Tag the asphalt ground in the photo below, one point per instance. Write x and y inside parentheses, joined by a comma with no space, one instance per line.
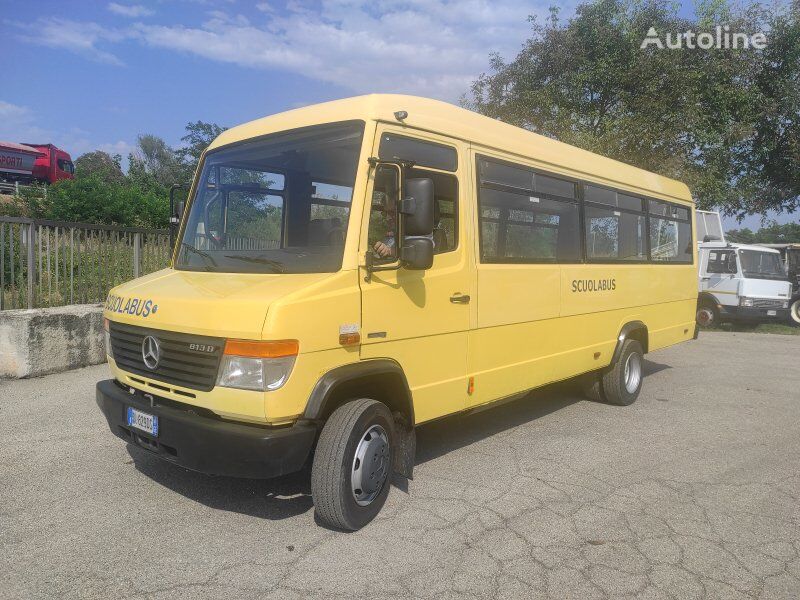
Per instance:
(692,492)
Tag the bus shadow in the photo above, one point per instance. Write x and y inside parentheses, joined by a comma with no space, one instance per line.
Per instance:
(272,499)
(452,433)
(290,495)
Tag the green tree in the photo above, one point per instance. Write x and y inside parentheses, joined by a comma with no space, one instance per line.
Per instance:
(99,162)
(772,233)
(724,121)
(198,137)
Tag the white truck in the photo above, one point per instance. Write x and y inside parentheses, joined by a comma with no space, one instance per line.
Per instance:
(738,282)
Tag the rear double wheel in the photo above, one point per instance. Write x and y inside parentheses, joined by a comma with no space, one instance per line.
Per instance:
(352,468)
(621,383)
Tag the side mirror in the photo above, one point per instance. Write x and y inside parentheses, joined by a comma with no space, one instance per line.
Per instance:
(417,253)
(732,264)
(175,212)
(417,207)
(179,208)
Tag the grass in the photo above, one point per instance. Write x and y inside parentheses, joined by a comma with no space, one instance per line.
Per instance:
(773,328)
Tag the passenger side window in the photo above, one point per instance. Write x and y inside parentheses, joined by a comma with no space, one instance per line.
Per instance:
(616,231)
(526,216)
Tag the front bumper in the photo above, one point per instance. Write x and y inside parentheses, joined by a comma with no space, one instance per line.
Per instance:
(747,313)
(204,443)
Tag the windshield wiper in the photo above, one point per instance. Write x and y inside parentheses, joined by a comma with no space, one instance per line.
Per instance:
(207,258)
(277,266)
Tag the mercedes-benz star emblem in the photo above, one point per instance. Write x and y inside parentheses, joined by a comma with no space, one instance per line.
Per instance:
(151,352)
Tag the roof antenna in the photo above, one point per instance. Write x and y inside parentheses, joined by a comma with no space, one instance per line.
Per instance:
(401,115)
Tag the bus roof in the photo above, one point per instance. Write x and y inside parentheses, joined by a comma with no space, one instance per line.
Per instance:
(479,130)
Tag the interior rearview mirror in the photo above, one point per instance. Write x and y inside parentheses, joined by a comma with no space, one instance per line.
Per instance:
(417,207)
(417,253)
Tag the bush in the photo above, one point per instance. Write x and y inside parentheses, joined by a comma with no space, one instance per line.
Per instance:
(93,198)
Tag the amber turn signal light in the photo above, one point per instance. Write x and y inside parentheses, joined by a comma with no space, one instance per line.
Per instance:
(257,349)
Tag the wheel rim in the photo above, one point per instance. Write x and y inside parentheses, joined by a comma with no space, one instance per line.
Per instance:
(633,373)
(795,311)
(370,465)
(705,317)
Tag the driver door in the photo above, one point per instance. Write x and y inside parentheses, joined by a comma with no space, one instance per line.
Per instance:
(719,277)
(420,319)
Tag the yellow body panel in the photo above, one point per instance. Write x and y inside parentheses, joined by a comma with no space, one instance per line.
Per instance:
(525,326)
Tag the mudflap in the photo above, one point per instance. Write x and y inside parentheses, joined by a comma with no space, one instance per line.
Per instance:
(406,452)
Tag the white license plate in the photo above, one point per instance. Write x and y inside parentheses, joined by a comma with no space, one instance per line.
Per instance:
(143,421)
(772,313)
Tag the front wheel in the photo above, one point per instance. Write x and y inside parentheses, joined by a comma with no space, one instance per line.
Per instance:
(623,381)
(351,473)
(794,312)
(708,316)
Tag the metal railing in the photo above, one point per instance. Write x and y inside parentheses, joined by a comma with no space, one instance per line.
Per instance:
(53,263)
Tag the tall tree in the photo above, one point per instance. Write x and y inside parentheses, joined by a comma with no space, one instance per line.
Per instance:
(198,137)
(155,163)
(722,120)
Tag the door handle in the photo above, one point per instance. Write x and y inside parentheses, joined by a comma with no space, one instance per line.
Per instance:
(459,299)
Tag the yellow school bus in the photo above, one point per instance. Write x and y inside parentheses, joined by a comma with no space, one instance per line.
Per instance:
(347,271)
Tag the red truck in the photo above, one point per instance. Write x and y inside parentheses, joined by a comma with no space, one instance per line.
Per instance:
(53,164)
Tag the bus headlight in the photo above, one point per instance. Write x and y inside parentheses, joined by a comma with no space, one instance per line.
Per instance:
(258,366)
(746,302)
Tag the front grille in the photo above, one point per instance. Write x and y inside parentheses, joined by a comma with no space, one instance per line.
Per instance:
(767,303)
(178,365)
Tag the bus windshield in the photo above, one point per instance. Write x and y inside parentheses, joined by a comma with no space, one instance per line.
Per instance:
(277,204)
(761,265)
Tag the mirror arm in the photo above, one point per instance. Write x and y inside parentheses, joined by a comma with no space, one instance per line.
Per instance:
(402,163)
(371,268)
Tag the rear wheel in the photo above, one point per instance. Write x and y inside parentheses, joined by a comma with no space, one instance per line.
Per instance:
(351,473)
(794,312)
(623,381)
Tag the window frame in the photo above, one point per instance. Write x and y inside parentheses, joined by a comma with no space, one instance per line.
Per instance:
(592,204)
(419,140)
(582,204)
(689,220)
(456,207)
(501,187)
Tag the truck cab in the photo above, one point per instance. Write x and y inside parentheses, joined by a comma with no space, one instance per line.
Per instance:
(53,164)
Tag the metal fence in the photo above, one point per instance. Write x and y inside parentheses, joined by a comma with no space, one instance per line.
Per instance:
(53,263)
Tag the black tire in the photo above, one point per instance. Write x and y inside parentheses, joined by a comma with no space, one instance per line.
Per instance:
(707,315)
(794,312)
(618,382)
(592,387)
(334,468)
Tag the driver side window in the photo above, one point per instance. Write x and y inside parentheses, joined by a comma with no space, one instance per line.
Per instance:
(721,262)
(382,236)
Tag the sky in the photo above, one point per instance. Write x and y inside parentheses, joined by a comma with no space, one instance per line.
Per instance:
(88,75)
